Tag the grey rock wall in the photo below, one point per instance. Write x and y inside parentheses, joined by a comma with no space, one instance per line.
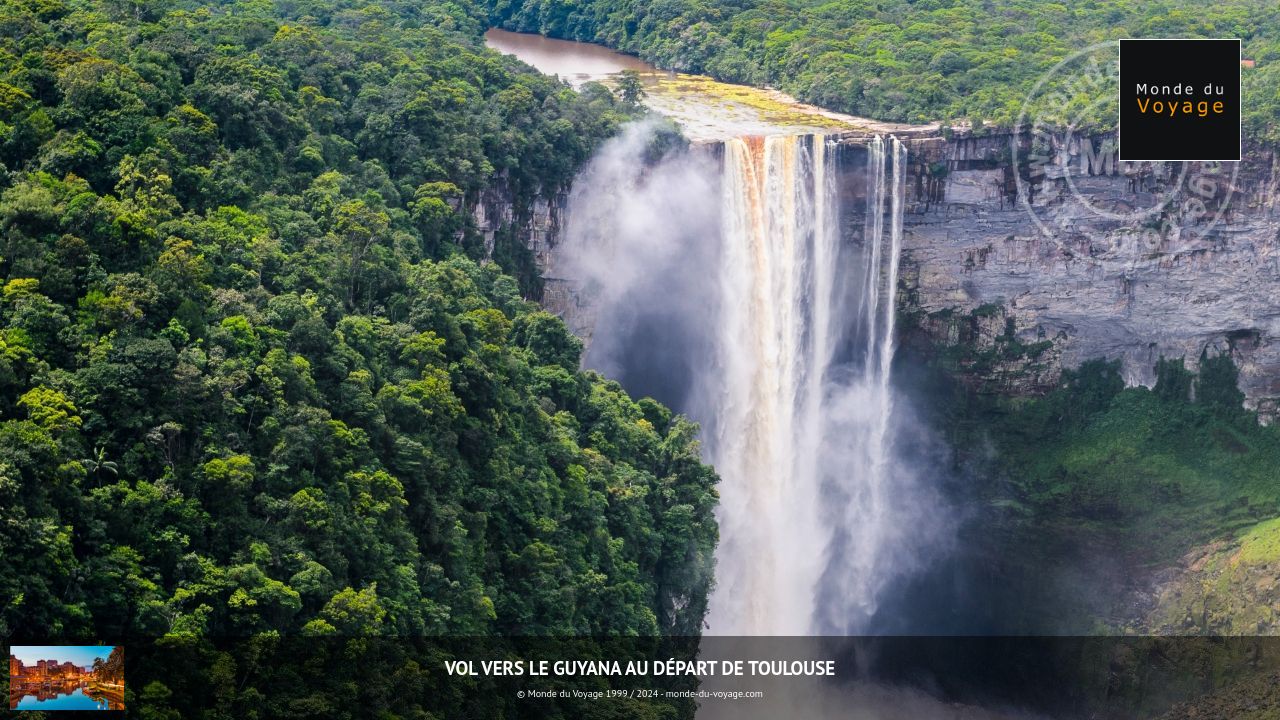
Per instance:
(537,226)
(1097,286)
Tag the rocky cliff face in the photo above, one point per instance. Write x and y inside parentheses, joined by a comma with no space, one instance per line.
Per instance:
(1228,587)
(537,229)
(1085,269)
(536,225)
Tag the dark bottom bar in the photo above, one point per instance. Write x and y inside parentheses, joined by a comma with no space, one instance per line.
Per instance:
(715,677)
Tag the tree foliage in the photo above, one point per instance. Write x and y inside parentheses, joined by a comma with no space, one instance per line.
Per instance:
(908,60)
(256,374)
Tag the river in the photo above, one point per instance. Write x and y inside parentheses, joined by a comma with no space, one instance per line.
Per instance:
(75,699)
(705,109)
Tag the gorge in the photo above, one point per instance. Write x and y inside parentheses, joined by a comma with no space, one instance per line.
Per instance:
(985,261)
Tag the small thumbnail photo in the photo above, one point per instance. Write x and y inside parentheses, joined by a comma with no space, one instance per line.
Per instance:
(66,677)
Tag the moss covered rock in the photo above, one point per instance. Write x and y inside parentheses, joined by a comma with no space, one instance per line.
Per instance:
(1225,588)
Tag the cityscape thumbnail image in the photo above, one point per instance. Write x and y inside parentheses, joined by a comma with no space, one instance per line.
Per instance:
(66,677)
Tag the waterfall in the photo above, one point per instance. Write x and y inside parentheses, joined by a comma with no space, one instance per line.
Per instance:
(774,188)
(733,286)
(797,354)
(870,528)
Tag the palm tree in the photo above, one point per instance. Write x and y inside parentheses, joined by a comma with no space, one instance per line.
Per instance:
(100,462)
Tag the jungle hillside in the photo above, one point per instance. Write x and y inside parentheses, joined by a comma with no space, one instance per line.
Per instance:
(259,374)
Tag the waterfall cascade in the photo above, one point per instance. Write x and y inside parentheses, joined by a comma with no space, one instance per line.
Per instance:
(868,527)
(732,287)
(802,416)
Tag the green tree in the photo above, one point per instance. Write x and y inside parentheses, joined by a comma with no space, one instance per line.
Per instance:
(1217,386)
(630,88)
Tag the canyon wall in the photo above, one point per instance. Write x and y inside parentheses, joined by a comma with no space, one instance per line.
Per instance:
(1083,273)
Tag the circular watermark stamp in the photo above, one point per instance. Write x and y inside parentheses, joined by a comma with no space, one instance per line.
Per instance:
(1066,172)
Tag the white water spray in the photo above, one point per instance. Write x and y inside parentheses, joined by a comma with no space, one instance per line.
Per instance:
(781,325)
(870,529)
(786,445)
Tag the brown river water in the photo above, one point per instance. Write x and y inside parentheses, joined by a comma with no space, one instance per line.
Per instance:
(706,109)
(573,62)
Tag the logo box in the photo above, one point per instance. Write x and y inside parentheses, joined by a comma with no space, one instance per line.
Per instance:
(1179,100)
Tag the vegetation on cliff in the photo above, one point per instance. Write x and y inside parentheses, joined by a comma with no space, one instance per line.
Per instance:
(1171,465)
(910,60)
(255,373)
(1089,488)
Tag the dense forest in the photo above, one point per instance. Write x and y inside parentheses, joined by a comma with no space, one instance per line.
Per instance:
(257,374)
(908,60)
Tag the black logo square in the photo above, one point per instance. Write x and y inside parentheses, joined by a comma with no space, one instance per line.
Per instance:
(1179,100)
